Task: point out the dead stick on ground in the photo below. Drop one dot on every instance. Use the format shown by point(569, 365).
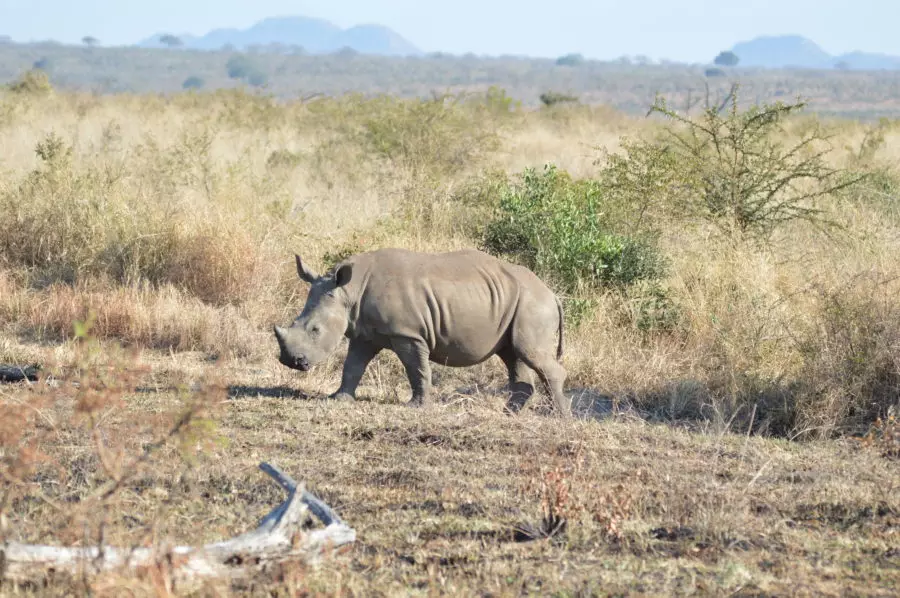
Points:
point(279, 537)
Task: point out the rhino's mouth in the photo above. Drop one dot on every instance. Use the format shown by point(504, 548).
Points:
point(295, 363)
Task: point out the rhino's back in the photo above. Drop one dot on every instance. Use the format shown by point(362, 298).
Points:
point(461, 303)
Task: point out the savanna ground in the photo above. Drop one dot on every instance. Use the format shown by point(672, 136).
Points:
point(723, 379)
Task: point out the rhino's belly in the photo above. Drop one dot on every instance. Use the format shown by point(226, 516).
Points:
point(464, 354)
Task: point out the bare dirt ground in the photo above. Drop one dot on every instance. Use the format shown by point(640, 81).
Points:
point(448, 499)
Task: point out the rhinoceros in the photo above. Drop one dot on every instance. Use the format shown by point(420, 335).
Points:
point(456, 309)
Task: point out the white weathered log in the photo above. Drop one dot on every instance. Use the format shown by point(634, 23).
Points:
point(279, 537)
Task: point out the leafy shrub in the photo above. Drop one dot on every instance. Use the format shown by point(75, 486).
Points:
point(552, 98)
point(559, 227)
point(33, 82)
point(43, 64)
point(727, 58)
point(431, 137)
point(640, 180)
point(498, 102)
point(257, 78)
point(283, 159)
point(570, 60)
point(650, 308)
point(239, 66)
point(714, 72)
point(245, 68)
point(193, 82)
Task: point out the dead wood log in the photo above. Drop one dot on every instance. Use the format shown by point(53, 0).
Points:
point(280, 537)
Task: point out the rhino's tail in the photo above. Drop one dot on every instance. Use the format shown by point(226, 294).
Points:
point(562, 321)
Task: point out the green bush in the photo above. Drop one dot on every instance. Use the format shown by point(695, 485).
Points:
point(570, 60)
point(34, 82)
point(246, 69)
point(257, 78)
point(650, 308)
point(727, 58)
point(559, 227)
point(193, 82)
point(239, 67)
point(43, 64)
point(552, 98)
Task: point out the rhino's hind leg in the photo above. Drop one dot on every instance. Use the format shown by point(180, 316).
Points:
point(552, 374)
point(534, 342)
point(359, 355)
point(520, 387)
point(414, 356)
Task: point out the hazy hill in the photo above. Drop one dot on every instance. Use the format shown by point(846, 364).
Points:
point(786, 51)
point(315, 36)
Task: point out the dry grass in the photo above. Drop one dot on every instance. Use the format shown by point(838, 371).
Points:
point(172, 223)
point(440, 498)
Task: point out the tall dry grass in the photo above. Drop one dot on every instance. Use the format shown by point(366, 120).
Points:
point(173, 221)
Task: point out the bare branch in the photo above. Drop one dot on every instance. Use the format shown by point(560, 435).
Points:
point(279, 537)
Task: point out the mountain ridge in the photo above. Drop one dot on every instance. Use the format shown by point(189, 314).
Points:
point(797, 51)
point(314, 36)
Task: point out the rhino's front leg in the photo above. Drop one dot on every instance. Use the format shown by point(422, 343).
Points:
point(414, 355)
point(359, 355)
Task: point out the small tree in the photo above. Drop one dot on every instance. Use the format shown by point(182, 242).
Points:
point(257, 78)
point(193, 82)
point(239, 67)
point(552, 98)
point(727, 58)
point(172, 41)
point(570, 60)
point(346, 52)
point(43, 64)
point(90, 41)
point(34, 82)
point(732, 167)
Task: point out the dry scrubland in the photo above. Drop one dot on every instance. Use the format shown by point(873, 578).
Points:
point(629, 87)
point(728, 373)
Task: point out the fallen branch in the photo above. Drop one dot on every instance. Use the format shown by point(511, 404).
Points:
point(280, 537)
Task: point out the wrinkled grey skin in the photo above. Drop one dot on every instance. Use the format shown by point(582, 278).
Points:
point(457, 309)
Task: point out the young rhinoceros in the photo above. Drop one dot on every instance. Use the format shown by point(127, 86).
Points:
point(457, 309)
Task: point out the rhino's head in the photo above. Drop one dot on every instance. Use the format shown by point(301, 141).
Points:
point(318, 330)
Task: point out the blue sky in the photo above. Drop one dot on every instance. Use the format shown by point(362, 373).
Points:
point(690, 30)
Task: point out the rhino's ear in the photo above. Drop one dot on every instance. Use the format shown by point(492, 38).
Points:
point(343, 275)
point(305, 273)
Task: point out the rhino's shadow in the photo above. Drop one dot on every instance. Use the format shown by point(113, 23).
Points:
point(587, 403)
point(267, 392)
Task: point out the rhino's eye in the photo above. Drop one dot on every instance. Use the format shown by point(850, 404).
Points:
point(314, 330)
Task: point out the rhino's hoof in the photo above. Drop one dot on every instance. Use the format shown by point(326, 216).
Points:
point(342, 397)
point(512, 409)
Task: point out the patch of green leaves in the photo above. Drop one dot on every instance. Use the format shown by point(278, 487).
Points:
point(560, 228)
